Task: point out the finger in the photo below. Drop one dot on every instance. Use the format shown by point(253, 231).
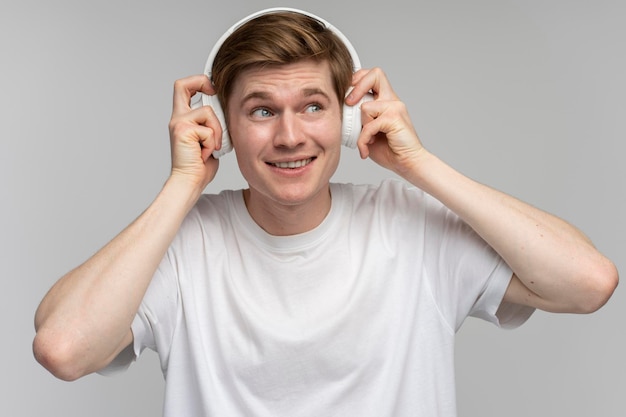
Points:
point(207, 138)
point(379, 119)
point(191, 142)
point(374, 80)
point(206, 117)
point(358, 76)
point(185, 88)
point(368, 136)
point(199, 120)
point(372, 125)
point(357, 89)
point(381, 86)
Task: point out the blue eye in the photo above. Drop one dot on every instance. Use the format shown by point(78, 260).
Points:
point(314, 108)
point(262, 112)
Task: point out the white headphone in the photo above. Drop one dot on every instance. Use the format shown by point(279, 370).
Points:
point(351, 123)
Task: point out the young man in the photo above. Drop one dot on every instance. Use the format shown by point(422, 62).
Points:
point(297, 296)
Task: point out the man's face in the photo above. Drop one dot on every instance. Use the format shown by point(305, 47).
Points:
point(285, 125)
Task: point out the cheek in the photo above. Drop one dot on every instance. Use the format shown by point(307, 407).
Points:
point(249, 144)
point(327, 128)
point(336, 129)
point(243, 129)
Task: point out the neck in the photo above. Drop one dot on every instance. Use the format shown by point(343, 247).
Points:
point(287, 219)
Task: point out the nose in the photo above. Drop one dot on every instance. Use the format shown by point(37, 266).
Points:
point(288, 133)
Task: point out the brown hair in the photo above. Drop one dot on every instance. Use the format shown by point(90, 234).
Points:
point(277, 39)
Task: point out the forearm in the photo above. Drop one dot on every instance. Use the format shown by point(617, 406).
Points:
point(85, 318)
point(559, 268)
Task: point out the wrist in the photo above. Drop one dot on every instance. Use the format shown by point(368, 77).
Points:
point(182, 189)
point(418, 168)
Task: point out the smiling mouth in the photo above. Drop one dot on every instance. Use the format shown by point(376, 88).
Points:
point(292, 164)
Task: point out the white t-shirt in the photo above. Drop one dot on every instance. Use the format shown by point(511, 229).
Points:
point(354, 318)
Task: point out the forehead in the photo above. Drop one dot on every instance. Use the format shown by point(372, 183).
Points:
point(281, 79)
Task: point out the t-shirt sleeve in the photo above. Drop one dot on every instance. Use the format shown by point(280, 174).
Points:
point(492, 308)
point(467, 276)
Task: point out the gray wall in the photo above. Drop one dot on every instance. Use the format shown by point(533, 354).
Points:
point(526, 96)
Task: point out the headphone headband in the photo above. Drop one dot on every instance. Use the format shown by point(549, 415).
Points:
point(209, 63)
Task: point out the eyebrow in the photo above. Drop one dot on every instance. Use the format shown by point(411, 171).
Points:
point(308, 92)
point(264, 95)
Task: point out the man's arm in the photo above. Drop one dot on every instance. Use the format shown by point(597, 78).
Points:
point(556, 268)
point(84, 320)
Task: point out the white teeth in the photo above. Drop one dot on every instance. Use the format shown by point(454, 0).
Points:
point(293, 164)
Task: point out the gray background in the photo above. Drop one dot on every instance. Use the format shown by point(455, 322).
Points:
point(527, 96)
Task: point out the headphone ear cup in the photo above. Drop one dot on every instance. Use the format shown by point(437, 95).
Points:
point(227, 146)
point(351, 122)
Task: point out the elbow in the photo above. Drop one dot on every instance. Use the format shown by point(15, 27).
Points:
point(58, 355)
point(601, 284)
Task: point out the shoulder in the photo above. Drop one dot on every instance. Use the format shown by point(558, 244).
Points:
point(216, 206)
point(211, 211)
point(389, 194)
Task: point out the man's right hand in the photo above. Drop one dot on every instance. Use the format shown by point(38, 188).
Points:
point(194, 133)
